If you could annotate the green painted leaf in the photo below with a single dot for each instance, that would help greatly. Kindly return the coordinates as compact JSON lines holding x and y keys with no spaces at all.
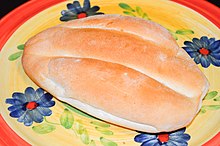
{"x":126,"y":7}
{"x":217,"y":98}
{"x":184,"y":31}
{"x":20,"y":47}
{"x":202,"y":111}
{"x":139,"y":11}
{"x":211,"y":107}
{"x":145,"y":16}
{"x":15,"y":56}
{"x":129,"y":13}
{"x":92,"y":143}
{"x":104,"y":131}
{"x":85,"y":137}
{"x":66,"y":119}
{"x":79,"y":128}
{"x":101,"y":124}
{"x":78,"y":111}
{"x":43,"y":128}
{"x":106,"y":142}
{"x":174,"y":35}
{"x":211,"y":95}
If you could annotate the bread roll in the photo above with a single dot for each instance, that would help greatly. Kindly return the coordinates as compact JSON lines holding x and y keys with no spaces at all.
{"x":121,"y":69}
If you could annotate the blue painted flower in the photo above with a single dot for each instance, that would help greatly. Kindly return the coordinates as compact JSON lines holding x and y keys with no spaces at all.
{"x":176,"y":138}
{"x":75,"y":11}
{"x":205,"y":51}
{"x":30,"y":106}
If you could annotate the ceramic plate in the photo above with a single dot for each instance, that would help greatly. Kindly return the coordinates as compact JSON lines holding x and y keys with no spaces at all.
{"x":47,"y":121}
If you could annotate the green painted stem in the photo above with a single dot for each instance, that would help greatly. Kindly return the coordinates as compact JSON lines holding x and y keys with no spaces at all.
{"x":50,"y":122}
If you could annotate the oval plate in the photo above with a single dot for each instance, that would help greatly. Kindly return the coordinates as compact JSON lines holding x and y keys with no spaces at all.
{"x":37,"y":15}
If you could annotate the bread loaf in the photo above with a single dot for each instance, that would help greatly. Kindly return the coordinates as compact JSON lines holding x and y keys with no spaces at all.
{"x":121,"y":69}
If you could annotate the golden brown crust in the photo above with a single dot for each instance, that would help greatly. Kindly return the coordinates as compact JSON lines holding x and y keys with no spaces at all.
{"x":120,"y":65}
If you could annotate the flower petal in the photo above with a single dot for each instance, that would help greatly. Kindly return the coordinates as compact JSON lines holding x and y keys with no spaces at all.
{"x":189,"y":49}
{"x":36,"y":116}
{"x":157,"y":144}
{"x":216,"y":51}
{"x":77,"y":6}
{"x":17,"y":113}
{"x":14,"y":101}
{"x":72,"y":8}
{"x":211,"y":40}
{"x":170,"y":143}
{"x":19,"y":96}
{"x":144,"y":137}
{"x":204,"y":41}
{"x":150,"y":142}
{"x":30,"y":94}
{"x":44,"y":111}
{"x":197,"y":59}
{"x":27,"y":119}
{"x":188,"y":44}
{"x":63,"y":12}
{"x":40,"y":92}
{"x":179,"y":142}
{"x":86,"y":5}
{"x":205,"y":62}
{"x":215,"y":46}
{"x":214,"y":61}
{"x":14,"y":108}
{"x":191,"y":45}
{"x":193,"y":54}
{"x":215,"y":55}
{"x":21,"y":118}
{"x":184,"y":137}
{"x":98,"y":13}
{"x":178,"y":132}
{"x":47,"y":104}
{"x":67,"y":18}
{"x":197,"y":42}
{"x":68,"y":13}
{"x":45,"y":99}
{"x":93,"y":9}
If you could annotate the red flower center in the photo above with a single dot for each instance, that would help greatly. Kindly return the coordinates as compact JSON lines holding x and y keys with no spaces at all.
{"x":163,"y":137}
{"x":81,"y":15}
{"x":31,"y":105}
{"x":204,"y":51}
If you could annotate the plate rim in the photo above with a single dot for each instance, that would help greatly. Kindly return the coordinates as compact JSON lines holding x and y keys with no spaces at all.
{"x":201,"y":7}
{"x":33,"y":7}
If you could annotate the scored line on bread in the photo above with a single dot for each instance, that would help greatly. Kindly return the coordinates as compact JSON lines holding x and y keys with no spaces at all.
{"x":122,"y":68}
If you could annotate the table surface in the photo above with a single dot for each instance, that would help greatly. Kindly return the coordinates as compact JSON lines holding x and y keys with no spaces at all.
{"x":7,"y":6}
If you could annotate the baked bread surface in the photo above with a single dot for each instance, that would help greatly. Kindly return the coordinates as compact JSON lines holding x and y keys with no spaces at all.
{"x":121,"y":69}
